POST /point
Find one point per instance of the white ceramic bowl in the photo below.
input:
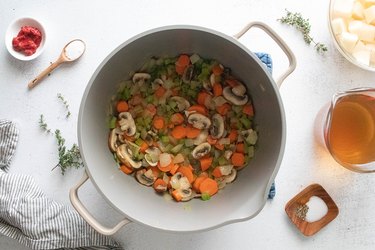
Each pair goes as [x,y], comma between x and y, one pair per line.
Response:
[12,32]
[338,45]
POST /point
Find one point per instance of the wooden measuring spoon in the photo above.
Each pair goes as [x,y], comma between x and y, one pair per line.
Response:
[71,52]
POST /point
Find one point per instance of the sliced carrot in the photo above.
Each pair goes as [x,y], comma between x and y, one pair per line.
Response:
[238,159]
[219,146]
[211,140]
[179,132]
[176,195]
[198,182]
[217,172]
[158,122]
[202,96]
[143,147]
[150,107]
[233,135]
[232,82]
[180,69]
[177,118]
[223,109]
[192,132]
[183,60]
[187,172]
[174,169]
[160,185]
[205,163]
[217,89]
[240,148]
[166,168]
[199,108]
[122,106]
[248,109]
[208,186]
[160,91]
[217,70]
[126,169]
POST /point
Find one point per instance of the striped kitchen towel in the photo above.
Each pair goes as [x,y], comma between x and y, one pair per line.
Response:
[33,219]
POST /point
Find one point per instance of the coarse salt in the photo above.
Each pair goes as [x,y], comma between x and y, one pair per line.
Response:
[74,49]
[317,209]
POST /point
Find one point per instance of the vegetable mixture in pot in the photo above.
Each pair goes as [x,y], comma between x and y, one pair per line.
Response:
[183,125]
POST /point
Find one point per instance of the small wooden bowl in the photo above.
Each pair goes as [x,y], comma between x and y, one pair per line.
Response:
[302,198]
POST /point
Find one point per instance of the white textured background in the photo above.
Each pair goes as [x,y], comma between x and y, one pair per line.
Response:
[106,24]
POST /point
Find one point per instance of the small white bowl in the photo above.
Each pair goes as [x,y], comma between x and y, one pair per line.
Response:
[12,32]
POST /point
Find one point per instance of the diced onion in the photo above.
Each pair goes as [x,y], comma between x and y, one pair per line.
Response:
[165,159]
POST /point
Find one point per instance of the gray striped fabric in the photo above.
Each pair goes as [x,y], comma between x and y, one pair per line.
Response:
[33,219]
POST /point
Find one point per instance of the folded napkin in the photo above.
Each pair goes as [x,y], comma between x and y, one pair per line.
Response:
[33,219]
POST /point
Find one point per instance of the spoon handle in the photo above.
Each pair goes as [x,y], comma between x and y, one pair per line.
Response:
[45,72]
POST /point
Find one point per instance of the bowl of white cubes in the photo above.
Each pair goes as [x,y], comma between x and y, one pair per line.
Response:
[352,26]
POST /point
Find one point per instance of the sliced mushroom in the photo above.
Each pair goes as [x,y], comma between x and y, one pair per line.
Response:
[123,154]
[232,176]
[202,137]
[140,78]
[225,169]
[175,180]
[188,74]
[187,194]
[159,81]
[228,154]
[201,150]
[182,103]
[127,123]
[152,156]
[145,177]
[112,140]
[199,121]
[232,97]
[217,127]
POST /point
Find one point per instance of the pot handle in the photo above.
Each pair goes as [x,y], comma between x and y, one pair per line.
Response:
[86,215]
[279,41]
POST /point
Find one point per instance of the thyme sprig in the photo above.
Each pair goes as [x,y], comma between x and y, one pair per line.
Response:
[303,25]
[66,105]
[43,125]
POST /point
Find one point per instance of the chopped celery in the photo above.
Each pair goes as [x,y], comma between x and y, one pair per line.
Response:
[139,122]
[137,135]
[246,122]
[112,122]
[139,141]
[140,156]
[252,137]
[250,151]
[176,148]
[194,58]
[237,109]
[172,104]
[168,148]
[164,139]
[206,196]
[222,160]
[125,94]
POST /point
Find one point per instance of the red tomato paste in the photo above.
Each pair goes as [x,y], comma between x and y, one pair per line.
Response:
[28,40]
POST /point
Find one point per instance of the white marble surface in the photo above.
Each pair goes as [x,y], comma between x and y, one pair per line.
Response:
[106,24]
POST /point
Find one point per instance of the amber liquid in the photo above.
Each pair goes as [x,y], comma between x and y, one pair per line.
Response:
[352,131]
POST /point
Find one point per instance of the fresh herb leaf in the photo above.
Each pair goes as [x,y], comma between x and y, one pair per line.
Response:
[296,20]
[43,125]
[66,105]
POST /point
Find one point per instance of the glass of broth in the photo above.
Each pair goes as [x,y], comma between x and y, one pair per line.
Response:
[346,127]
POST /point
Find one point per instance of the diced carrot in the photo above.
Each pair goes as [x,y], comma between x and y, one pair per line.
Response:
[176,195]
[160,91]
[217,70]
[223,109]
[198,182]
[217,89]
[136,100]
[240,148]
[128,138]
[202,96]
[187,172]
[158,122]
[231,82]
[177,118]
[174,169]
[238,159]
[211,140]
[248,109]
[180,69]
[233,135]
[160,185]
[126,169]
[150,107]
[179,132]
[122,106]
[217,172]
[205,163]
[155,171]
[219,146]
[166,168]
[183,60]
[192,132]
[204,173]
[143,147]
[208,186]
[199,108]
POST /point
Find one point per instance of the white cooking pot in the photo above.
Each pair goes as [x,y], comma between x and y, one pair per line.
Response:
[239,201]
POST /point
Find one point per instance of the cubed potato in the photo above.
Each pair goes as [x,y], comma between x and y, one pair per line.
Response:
[343,8]
[357,12]
[363,30]
[348,41]
[371,47]
[368,3]
[363,56]
[370,14]
[338,26]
